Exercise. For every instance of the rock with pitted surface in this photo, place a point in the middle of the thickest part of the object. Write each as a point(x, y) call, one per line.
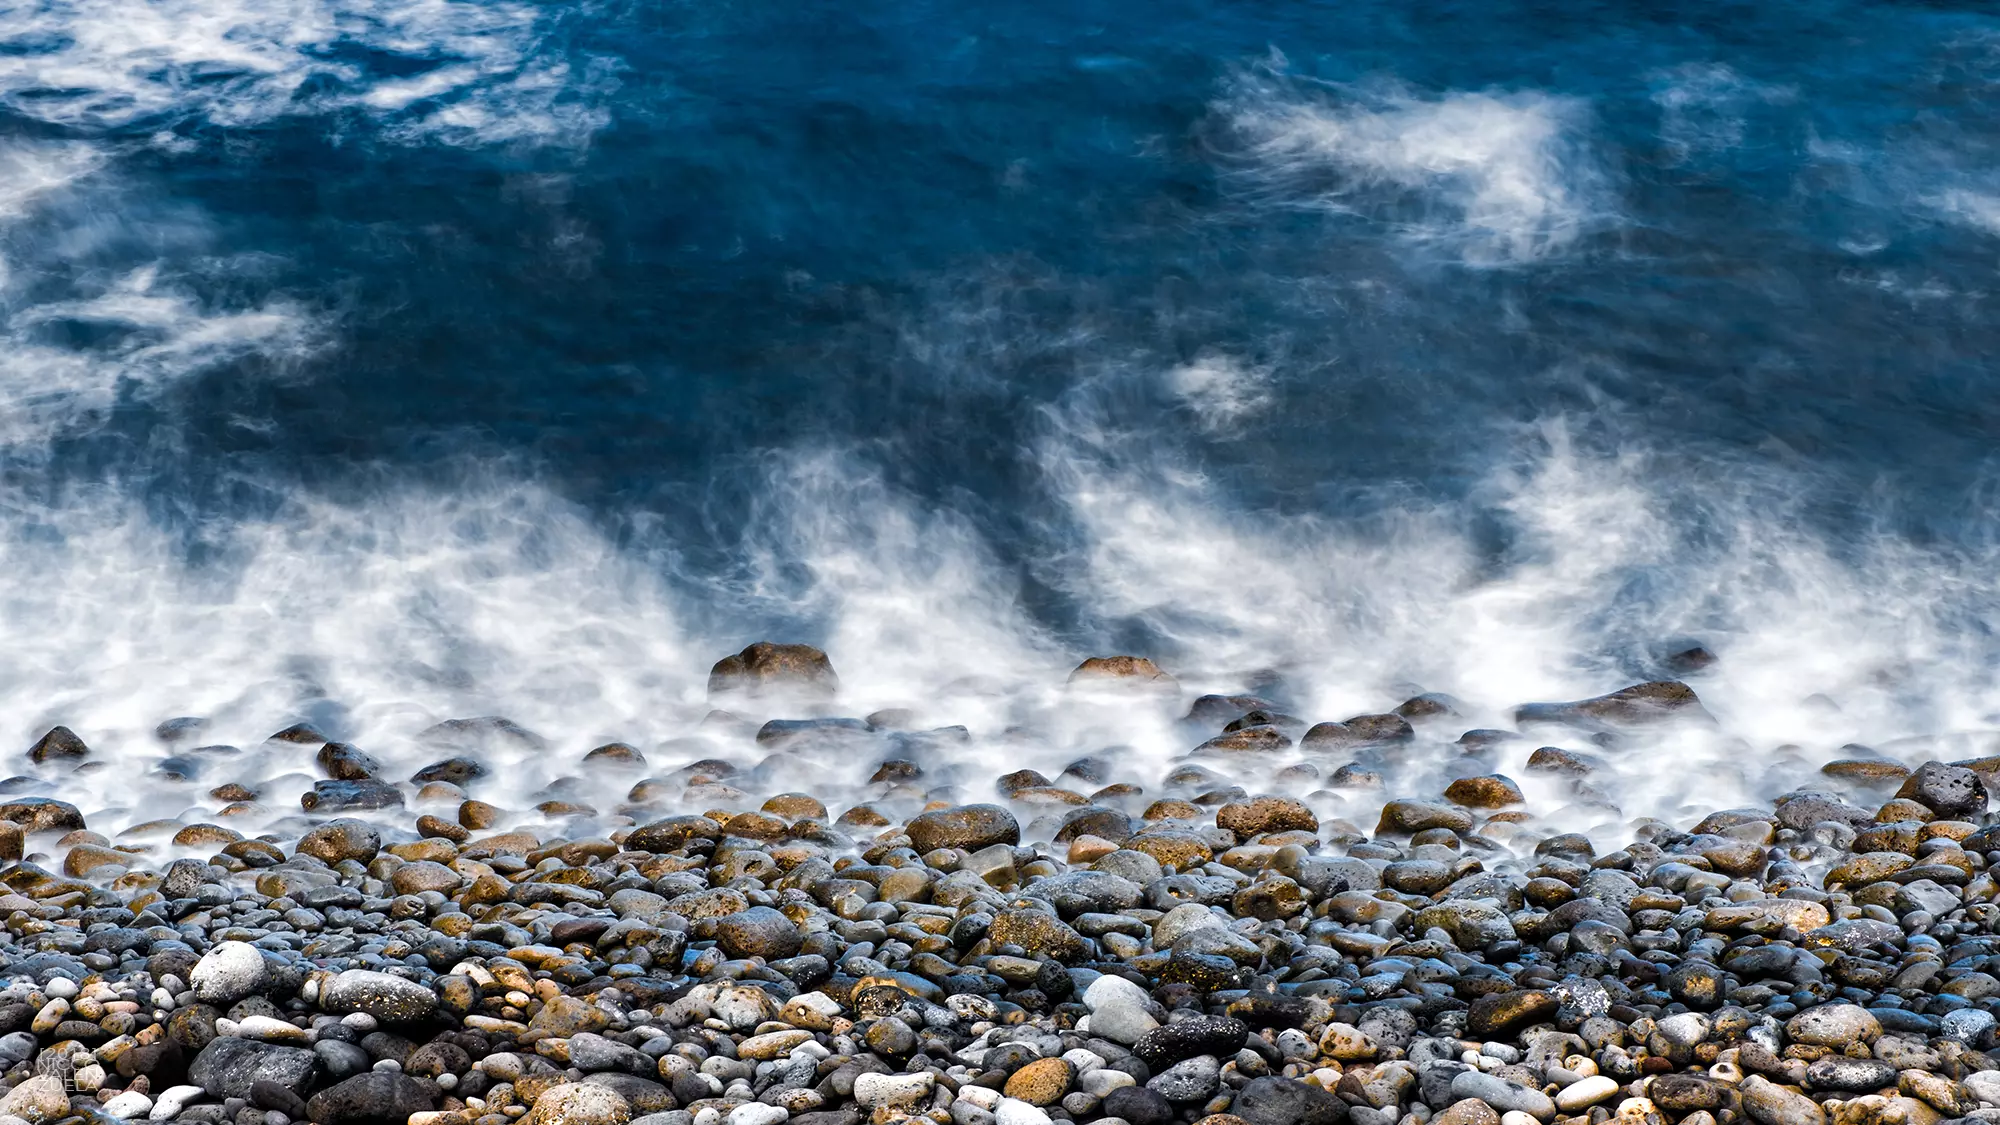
point(1184, 1039)
point(1848, 1075)
point(228, 1067)
point(1266, 814)
point(1953, 792)
point(390, 999)
point(1192, 1080)
point(580, 1103)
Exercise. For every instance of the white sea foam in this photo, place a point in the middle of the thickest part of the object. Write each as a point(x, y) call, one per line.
point(379, 619)
point(1976, 209)
point(146, 333)
point(1221, 391)
point(483, 72)
point(1495, 176)
point(1705, 107)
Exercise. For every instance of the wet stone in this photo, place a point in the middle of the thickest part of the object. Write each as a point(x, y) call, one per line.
point(1266, 814)
point(59, 744)
point(766, 667)
point(1491, 791)
point(1948, 791)
point(968, 828)
point(758, 932)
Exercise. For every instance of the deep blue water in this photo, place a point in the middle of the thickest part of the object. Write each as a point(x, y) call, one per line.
point(1353, 335)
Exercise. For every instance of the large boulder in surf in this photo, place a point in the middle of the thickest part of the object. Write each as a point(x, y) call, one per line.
point(1639, 705)
point(767, 667)
point(1121, 671)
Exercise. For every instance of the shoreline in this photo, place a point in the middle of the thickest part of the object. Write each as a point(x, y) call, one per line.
point(1015, 952)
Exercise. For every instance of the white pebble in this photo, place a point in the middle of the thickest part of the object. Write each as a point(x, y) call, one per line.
point(172, 1100)
point(360, 1021)
point(1100, 1082)
point(62, 988)
point(131, 1103)
point(268, 1028)
point(1014, 1111)
point(1084, 1061)
point(446, 1081)
point(228, 972)
point(1584, 1093)
point(981, 1096)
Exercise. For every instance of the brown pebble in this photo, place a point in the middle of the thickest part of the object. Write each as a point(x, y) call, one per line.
point(478, 815)
point(205, 835)
point(1120, 669)
point(442, 829)
point(1042, 1082)
point(1087, 848)
point(794, 806)
point(1489, 791)
point(755, 826)
point(1266, 814)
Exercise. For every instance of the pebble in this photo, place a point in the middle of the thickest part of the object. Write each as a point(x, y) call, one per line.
point(38, 1099)
point(580, 1103)
point(1226, 955)
point(227, 973)
point(1584, 1093)
point(387, 998)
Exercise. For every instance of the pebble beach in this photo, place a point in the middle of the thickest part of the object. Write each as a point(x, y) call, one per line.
point(1214, 946)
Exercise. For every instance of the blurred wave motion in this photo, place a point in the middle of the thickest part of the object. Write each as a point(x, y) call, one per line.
point(373, 364)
